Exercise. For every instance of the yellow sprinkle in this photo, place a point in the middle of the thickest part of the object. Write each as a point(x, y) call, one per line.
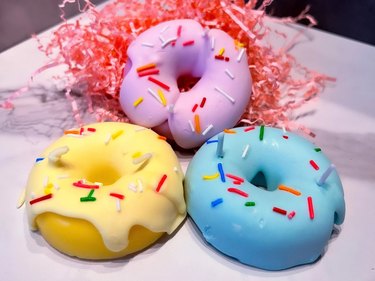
point(288, 189)
point(221, 51)
point(162, 97)
point(116, 134)
point(210, 177)
point(146, 66)
point(238, 44)
point(47, 189)
point(137, 102)
point(136, 154)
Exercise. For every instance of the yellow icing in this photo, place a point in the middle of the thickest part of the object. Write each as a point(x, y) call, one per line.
point(95, 159)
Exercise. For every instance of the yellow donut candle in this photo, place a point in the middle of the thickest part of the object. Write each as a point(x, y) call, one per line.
point(105, 190)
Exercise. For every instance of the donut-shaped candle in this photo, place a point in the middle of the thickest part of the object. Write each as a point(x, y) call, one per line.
point(105, 190)
point(160, 56)
point(266, 197)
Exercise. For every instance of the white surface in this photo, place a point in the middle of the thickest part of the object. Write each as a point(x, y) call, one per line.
point(344, 121)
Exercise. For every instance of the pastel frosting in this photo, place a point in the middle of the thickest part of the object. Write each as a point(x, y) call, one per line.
point(114, 176)
point(265, 197)
point(158, 57)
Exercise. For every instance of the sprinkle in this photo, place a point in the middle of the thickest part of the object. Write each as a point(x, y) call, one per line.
point(108, 138)
point(197, 123)
point(231, 99)
point(244, 153)
point(237, 191)
point(250, 204)
point(233, 177)
point(317, 149)
point(188, 43)
point(92, 130)
point(170, 40)
point(142, 158)
point(87, 199)
point(165, 28)
point(289, 189)
point(203, 102)
point(162, 138)
point(56, 186)
point(216, 202)
point(159, 83)
point(140, 129)
point(162, 180)
point(118, 205)
point(149, 72)
point(179, 29)
point(211, 141)
point(212, 43)
point(170, 108)
point(221, 51)
point(162, 97)
point(280, 211)
point(221, 171)
point(207, 129)
point(140, 185)
point(42, 198)
point(239, 58)
point(56, 154)
point(145, 44)
point(117, 134)
point(132, 186)
point(210, 177)
point(237, 182)
point(291, 215)
point(205, 32)
point(194, 108)
point(311, 207)
point(175, 169)
point(226, 59)
point(220, 145)
point(228, 131)
point(39, 159)
point(154, 95)
point(217, 57)
point(83, 185)
point(71, 132)
point(161, 38)
point(191, 126)
point(314, 165)
point(285, 137)
point(45, 181)
point(229, 74)
point(326, 174)
point(247, 129)
point(137, 102)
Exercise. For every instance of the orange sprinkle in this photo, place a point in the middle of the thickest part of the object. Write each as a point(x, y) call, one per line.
point(288, 189)
point(146, 67)
point(162, 137)
point(74, 132)
point(227, 131)
point(197, 124)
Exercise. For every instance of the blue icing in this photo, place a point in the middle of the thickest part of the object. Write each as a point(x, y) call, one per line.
point(257, 235)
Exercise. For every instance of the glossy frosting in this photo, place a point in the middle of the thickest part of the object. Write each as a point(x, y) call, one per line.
point(132, 173)
point(240, 219)
point(225, 82)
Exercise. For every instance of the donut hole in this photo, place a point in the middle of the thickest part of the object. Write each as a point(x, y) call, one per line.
point(186, 82)
point(105, 174)
point(260, 181)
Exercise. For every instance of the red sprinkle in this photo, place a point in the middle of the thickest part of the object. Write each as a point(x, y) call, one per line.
point(237, 182)
point(179, 31)
point(81, 130)
point(159, 83)
point(280, 211)
point(249, 129)
point(91, 129)
point(226, 59)
point(314, 165)
point(148, 72)
point(188, 43)
point(194, 107)
point(239, 192)
point(42, 198)
point(82, 185)
point(203, 102)
point(311, 207)
point(162, 180)
point(236, 178)
point(219, 57)
point(117, 195)
point(291, 215)
point(285, 137)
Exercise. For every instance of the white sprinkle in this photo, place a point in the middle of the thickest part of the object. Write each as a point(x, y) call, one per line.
point(212, 43)
point(207, 129)
point(230, 74)
point(175, 169)
point(145, 44)
point(170, 108)
point(98, 183)
point(205, 32)
point(118, 205)
point(45, 182)
point(326, 174)
point(84, 181)
point(140, 129)
point(164, 29)
point(239, 58)
point(156, 96)
point(132, 186)
point(56, 186)
point(191, 126)
point(140, 185)
point(246, 149)
point(170, 40)
point(225, 95)
point(56, 154)
point(161, 38)
point(59, 177)
point(284, 131)
point(142, 158)
point(108, 138)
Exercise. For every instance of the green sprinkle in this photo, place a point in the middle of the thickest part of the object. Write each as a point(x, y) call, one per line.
point(261, 133)
point(87, 199)
point(249, 204)
point(317, 149)
point(91, 193)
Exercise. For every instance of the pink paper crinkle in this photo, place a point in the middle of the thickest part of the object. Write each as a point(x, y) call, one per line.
point(94, 49)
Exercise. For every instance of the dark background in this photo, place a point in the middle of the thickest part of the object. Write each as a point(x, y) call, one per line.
point(355, 19)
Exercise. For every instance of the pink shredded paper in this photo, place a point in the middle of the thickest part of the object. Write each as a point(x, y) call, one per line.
point(94, 49)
